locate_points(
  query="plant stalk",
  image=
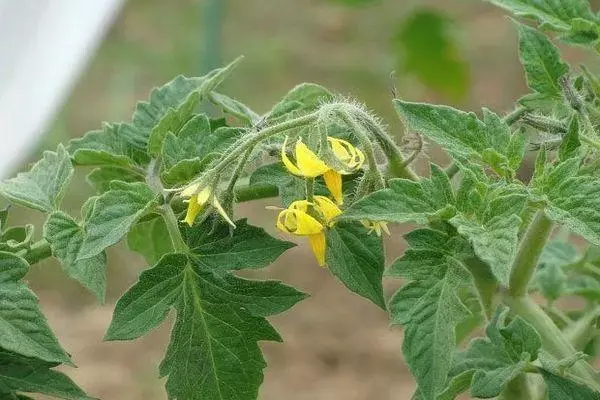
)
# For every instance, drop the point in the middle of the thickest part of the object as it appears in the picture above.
(528, 254)
(37, 252)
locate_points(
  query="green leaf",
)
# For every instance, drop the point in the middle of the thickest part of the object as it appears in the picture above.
(570, 144)
(426, 48)
(406, 200)
(290, 187)
(113, 214)
(43, 186)
(305, 97)
(185, 171)
(457, 385)
(246, 247)
(197, 141)
(463, 134)
(107, 146)
(542, 63)
(66, 237)
(573, 200)
(235, 108)
(172, 121)
(561, 388)
(432, 305)
(23, 326)
(213, 352)
(30, 375)
(16, 238)
(171, 96)
(499, 358)
(150, 237)
(101, 178)
(557, 15)
(356, 258)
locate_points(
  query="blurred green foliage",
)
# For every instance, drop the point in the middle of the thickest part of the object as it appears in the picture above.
(426, 48)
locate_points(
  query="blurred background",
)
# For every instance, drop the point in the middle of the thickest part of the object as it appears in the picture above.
(458, 52)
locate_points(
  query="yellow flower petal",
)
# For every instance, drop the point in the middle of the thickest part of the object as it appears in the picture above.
(192, 211)
(376, 226)
(298, 223)
(333, 181)
(309, 164)
(326, 208)
(287, 162)
(347, 154)
(318, 246)
(203, 196)
(301, 205)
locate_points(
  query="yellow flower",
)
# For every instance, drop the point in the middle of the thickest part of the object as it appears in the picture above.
(197, 199)
(309, 165)
(376, 226)
(296, 220)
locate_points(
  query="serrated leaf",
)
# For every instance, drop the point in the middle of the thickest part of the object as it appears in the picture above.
(113, 214)
(461, 133)
(65, 236)
(303, 98)
(150, 237)
(356, 258)
(570, 144)
(23, 326)
(43, 186)
(246, 247)
(428, 50)
(213, 352)
(30, 375)
(172, 95)
(432, 304)
(560, 388)
(196, 140)
(16, 238)
(542, 63)
(101, 178)
(172, 121)
(557, 15)
(573, 200)
(107, 146)
(235, 108)
(495, 241)
(185, 171)
(405, 200)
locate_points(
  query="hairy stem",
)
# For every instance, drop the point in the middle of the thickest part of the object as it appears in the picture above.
(582, 331)
(553, 339)
(37, 252)
(528, 254)
(173, 227)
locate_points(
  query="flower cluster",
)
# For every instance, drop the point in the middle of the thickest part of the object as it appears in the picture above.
(312, 217)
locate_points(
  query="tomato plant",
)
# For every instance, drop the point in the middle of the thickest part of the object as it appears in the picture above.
(483, 254)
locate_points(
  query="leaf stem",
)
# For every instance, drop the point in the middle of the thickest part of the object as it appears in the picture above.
(553, 339)
(173, 227)
(37, 252)
(528, 254)
(582, 331)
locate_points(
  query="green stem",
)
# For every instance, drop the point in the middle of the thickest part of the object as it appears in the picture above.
(553, 339)
(452, 170)
(173, 227)
(255, 192)
(367, 146)
(37, 252)
(237, 172)
(528, 254)
(485, 283)
(581, 332)
(514, 115)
